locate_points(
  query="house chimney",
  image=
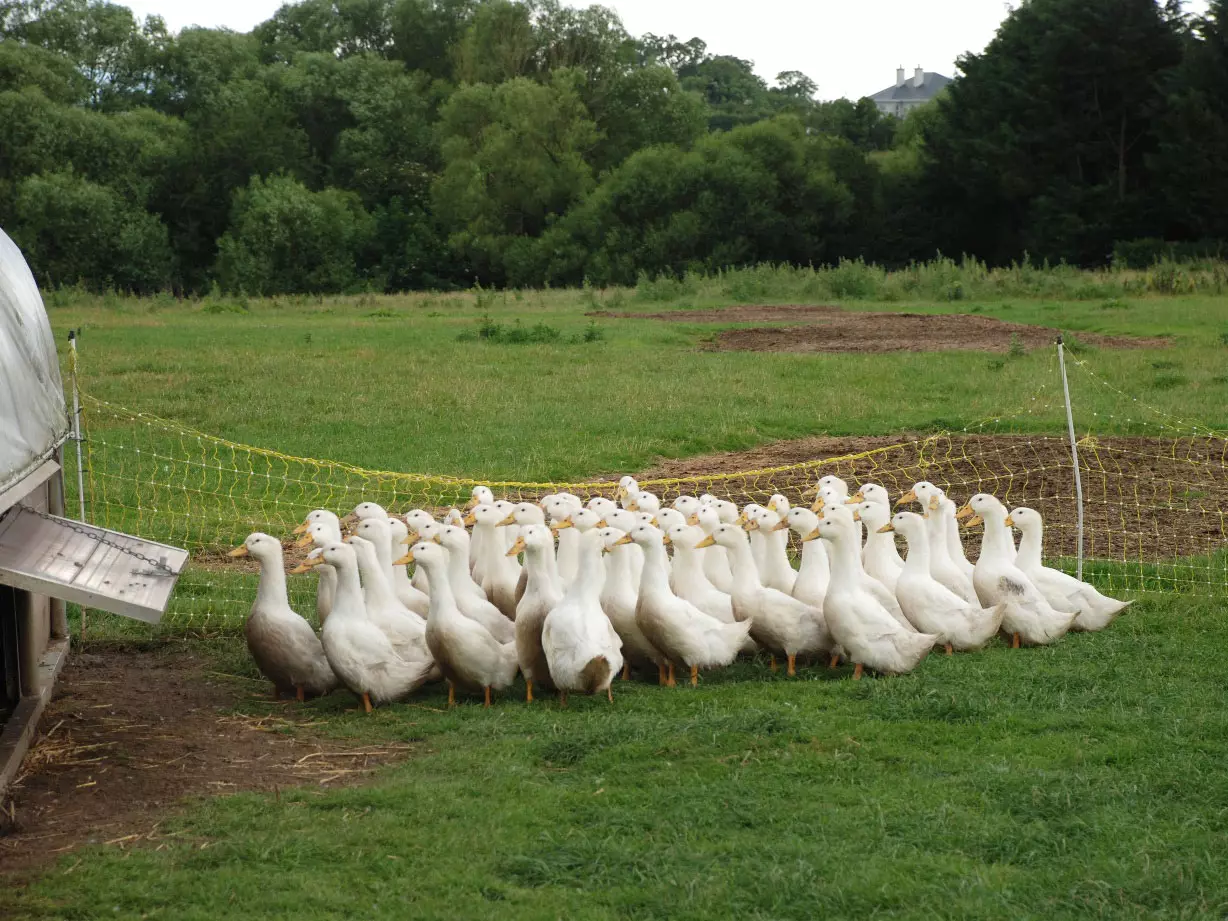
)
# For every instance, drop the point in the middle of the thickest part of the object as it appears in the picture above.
(899, 77)
(919, 79)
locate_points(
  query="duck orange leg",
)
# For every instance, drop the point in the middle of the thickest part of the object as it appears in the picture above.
(451, 693)
(694, 676)
(300, 693)
(792, 666)
(950, 649)
(662, 675)
(1015, 641)
(487, 703)
(563, 699)
(857, 672)
(609, 694)
(835, 660)
(672, 683)
(626, 670)
(772, 663)
(528, 690)
(366, 701)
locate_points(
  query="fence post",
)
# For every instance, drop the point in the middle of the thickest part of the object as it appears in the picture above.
(1074, 451)
(76, 436)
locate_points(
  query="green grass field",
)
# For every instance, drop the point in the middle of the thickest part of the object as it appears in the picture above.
(1084, 780)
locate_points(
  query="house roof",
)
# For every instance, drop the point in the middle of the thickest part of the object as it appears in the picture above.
(931, 87)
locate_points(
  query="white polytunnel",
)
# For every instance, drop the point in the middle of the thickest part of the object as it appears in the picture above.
(33, 422)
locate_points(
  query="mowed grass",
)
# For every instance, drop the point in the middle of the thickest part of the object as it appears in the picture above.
(389, 383)
(1084, 780)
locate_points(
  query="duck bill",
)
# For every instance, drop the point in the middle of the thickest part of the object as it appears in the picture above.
(240, 551)
(708, 541)
(857, 514)
(437, 538)
(693, 520)
(633, 506)
(1010, 521)
(782, 525)
(469, 520)
(302, 528)
(887, 528)
(517, 548)
(856, 498)
(810, 491)
(304, 541)
(405, 560)
(965, 512)
(472, 503)
(625, 539)
(665, 539)
(750, 526)
(563, 525)
(602, 524)
(349, 519)
(819, 505)
(906, 499)
(813, 535)
(509, 520)
(974, 522)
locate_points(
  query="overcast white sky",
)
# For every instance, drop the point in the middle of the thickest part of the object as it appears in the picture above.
(849, 48)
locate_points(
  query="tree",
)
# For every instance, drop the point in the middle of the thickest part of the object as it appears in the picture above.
(639, 108)
(76, 231)
(514, 158)
(285, 238)
(1043, 142)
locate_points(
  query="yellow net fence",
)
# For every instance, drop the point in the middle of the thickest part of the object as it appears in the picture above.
(1154, 504)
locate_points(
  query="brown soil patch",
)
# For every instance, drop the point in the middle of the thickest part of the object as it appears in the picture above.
(1145, 499)
(131, 733)
(831, 330)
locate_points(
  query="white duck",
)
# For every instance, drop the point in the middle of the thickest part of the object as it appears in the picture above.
(467, 594)
(643, 501)
(478, 495)
(716, 559)
(778, 622)
(831, 482)
(778, 572)
(378, 531)
(936, 513)
(867, 632)
(1063, 592)
(467, 653)
(283, 645)
(815, 571)
(758, 542)
(557, 507)
(879, 556)
(542, 594)
(601, 505)
(681, 631)
(1029, 618)
(406, 631)
(627, 488)
(689, 582)
(955, 545)
(364, 510)
(930, 605)
(331, 533)
(402, 585)
(358, 651)
(625, 521)
(881, 593)
(582, 648)
(418, 521)
(520, 516)
(667, 518)
(317, 534)
(500, 572)
(619, 598)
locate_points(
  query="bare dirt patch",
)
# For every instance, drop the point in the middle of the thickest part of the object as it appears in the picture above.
(1145, 499)
(131, 733)
(832, 330)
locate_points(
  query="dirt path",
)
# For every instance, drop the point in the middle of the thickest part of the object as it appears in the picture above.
(131, 733)
(831, 330)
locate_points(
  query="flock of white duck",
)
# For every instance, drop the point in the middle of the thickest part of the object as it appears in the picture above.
(609, 597)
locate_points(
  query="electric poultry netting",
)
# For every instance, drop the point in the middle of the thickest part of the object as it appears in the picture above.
(1154, 504)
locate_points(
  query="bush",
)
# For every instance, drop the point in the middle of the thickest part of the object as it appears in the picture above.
(73, 231)
(285, 238)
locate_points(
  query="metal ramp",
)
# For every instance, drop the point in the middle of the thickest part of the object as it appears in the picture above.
(88, 565)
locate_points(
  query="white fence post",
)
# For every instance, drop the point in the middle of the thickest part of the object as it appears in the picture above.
(1074, 450)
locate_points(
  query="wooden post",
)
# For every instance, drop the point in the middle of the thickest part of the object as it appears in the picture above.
(55, 505)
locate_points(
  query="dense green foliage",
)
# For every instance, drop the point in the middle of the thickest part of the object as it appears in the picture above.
(349, 145)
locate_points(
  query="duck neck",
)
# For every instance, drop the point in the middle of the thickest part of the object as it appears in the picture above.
(655, 575)
(688, 565)
(541, 571)
(272, 587)
(918, 560)
(379, 591)
(846, 563)
(383, 556)
(742, 565)
(590, 573)
(814, 559)
(996, 541)
(936, 532)
(458, 569)
(349, 590)
(442, 602)
(618, 567)
(1031, 545)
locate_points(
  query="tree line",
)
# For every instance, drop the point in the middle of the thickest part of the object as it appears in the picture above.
(397, 144)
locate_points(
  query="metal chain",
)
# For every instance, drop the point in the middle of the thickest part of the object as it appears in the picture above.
(95, 535)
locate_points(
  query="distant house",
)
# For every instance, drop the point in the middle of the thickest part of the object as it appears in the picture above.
(908, 94)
